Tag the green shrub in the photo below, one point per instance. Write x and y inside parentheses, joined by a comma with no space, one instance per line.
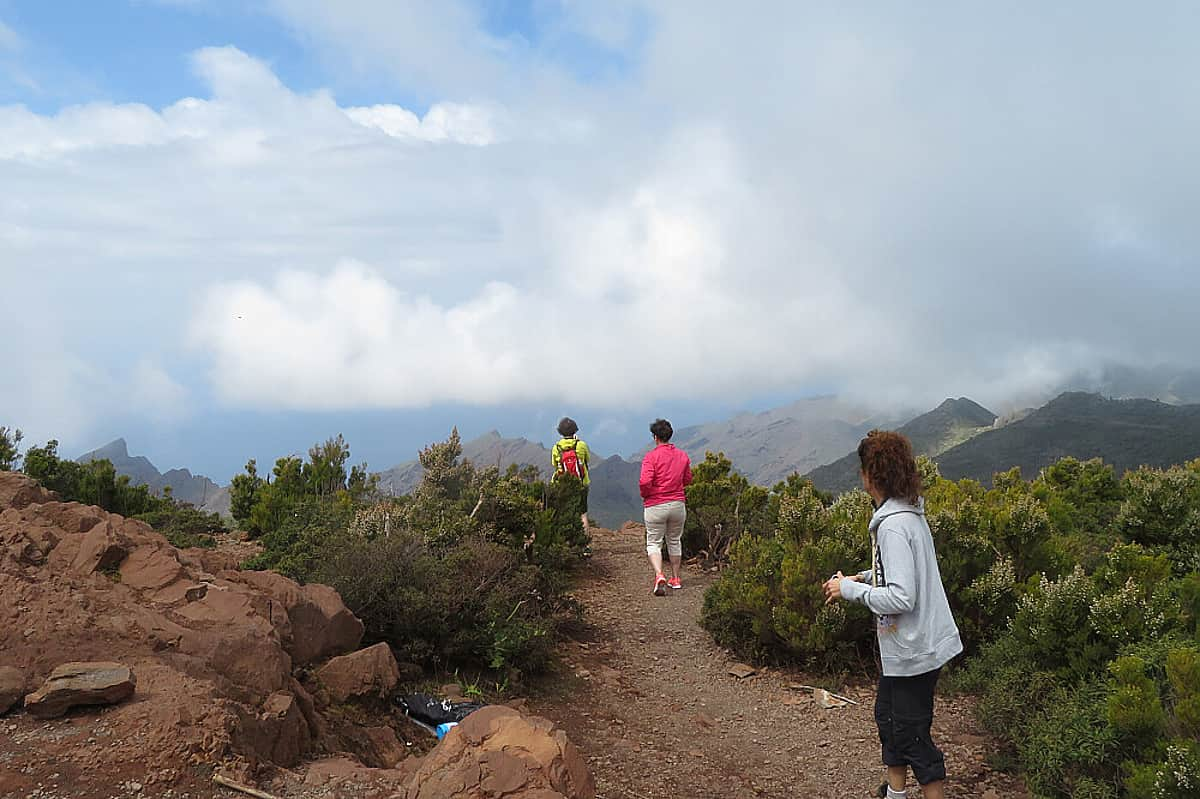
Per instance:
(477,602)
(1069,741)
(471,570)
(1183,672)
(722,505)
(1133,707)
(185,526)
(1176,776)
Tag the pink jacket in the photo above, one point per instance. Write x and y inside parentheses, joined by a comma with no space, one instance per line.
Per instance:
(665,472)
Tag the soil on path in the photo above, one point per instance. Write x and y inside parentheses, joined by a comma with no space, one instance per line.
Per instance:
(649,699)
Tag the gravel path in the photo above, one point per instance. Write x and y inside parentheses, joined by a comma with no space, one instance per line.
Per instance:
(649,699)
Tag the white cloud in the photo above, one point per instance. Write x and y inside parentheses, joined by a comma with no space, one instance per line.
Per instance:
(773,198)
(442,122)
(156,394)
(9,39)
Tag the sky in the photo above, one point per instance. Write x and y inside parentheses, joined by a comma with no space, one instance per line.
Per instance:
(230,228)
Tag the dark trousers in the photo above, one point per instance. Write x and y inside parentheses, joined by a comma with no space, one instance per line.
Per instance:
(904,713)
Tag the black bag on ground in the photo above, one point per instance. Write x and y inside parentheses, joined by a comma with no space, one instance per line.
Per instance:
(437,711)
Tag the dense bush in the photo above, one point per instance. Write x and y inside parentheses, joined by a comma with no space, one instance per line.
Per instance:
(469,570)
(185,525)
(1077,595)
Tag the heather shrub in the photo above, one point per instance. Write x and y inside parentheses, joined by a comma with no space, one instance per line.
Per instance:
(469,570)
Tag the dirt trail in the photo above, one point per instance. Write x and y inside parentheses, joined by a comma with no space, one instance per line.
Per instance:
(651,703)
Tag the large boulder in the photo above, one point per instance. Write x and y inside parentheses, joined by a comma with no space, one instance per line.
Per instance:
(322,625)
(74,684)
(496,752)
(12,688)
(278,733)
(18,490)
(369,673)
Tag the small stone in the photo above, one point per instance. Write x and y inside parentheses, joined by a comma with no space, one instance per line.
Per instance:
(742,671)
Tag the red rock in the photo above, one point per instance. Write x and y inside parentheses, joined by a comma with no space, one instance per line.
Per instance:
(368,673)
(279,733)
(12,688)
(322,625)
(496,751)
(88,683)
(151,567)
(103,548)
(18,491)
(384,749)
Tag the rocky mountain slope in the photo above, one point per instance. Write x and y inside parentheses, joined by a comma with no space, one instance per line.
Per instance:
(950,424)
(767,447)
(185,486)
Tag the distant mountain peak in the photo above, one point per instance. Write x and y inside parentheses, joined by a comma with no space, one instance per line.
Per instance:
(185,486)
(944,427)
(116,448)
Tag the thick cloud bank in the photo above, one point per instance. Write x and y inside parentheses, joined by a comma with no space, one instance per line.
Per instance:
(764,198)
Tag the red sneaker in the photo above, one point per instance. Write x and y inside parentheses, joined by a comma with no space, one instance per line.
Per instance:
(674,583)
(660,585)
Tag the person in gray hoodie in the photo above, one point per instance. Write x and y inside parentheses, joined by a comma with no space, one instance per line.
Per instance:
(917,633)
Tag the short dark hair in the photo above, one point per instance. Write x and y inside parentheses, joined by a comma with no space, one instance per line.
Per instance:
(887,459)
(661,429)
(567,427)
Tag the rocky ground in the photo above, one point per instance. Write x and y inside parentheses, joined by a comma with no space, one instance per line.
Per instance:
(651,703)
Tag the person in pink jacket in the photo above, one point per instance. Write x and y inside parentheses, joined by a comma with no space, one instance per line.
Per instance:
(666,471)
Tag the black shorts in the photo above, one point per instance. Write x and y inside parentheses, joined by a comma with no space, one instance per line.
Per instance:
(583,499)
(904,713)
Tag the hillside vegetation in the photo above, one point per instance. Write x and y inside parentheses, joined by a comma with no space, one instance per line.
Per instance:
(1125,433)
(469,570)
(1077,594)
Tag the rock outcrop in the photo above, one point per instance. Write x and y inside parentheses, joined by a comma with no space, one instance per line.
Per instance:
(214,650)
(498,752)
(370,673)
(74,684)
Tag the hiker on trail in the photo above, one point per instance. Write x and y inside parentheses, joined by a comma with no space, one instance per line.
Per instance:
(570,456)
(666,471)
(917,633)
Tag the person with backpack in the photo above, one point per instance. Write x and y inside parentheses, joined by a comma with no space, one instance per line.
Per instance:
(666,472)
(570,456)
(917,633)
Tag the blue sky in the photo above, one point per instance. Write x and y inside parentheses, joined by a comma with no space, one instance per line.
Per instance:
(230,229)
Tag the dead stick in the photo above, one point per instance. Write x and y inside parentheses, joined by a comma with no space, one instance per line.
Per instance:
(810,689)
(228,783)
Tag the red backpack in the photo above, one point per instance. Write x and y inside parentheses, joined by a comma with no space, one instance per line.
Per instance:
(569,463)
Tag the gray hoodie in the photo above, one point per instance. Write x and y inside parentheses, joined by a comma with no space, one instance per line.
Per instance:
(917,633)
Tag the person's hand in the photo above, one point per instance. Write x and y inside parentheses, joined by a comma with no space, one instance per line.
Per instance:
(833,587)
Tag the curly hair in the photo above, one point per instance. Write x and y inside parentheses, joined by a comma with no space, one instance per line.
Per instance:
(887,460)
(661,429)
(567,427)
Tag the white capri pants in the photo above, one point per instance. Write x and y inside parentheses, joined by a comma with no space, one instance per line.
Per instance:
(665,521)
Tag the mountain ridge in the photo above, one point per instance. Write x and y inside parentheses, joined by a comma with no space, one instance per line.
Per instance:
(931,433)
(1126,433)
(195,489)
